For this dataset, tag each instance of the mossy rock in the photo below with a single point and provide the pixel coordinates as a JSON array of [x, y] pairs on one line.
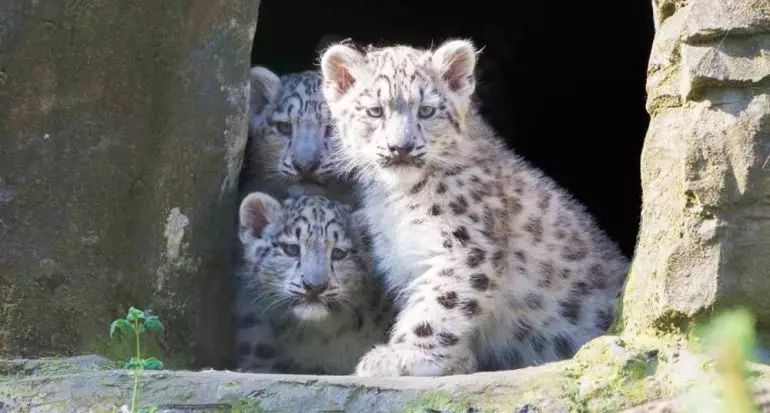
[[609, 374], [704, 169], [122, 127]]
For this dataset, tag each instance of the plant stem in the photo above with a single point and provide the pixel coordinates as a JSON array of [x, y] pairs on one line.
[[136, 369]]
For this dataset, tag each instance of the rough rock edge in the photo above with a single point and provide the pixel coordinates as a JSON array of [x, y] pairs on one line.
[[608, 374], [718, 55], [713, 19]]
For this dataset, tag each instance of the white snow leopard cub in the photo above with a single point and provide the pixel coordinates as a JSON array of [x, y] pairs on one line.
[[494, 265], [290, 127], [307, 302]]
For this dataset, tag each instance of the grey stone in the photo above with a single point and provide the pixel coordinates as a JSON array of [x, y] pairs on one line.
[[680, 70], [729, 62], [608, 374], [714, 19], [705, 228], [47, 366], [122, 127], [663, 74]]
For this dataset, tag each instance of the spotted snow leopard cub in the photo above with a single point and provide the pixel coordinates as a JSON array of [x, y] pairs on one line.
[[290, 128], [310, 304], [494, 265]]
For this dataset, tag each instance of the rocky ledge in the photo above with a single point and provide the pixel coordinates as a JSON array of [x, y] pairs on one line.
[[607, 375]]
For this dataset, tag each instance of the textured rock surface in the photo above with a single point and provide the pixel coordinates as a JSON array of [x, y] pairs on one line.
[[607, 375], [122, 125], [705, 228]]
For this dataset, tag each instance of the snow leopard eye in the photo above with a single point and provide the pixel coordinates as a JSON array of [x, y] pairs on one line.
[[283, 128], [292, 250], [425, 112], [338, 254], [375, 111]]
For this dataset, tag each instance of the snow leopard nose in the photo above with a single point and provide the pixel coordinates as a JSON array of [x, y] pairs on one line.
[[315, 289], [306, 168], [402, 150]]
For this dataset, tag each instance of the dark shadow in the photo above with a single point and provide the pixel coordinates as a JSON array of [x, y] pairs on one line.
[[563, 83]]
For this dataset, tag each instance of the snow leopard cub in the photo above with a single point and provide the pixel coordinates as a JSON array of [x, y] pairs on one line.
[[289, 132], [494, 265], [308, 302]]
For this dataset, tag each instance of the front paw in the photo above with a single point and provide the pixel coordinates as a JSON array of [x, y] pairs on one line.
[[405, 360]]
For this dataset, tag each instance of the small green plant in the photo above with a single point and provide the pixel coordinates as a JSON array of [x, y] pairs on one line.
[[731, 339], [138, 322]]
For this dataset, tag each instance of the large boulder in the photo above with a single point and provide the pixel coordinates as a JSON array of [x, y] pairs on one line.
[[122, 127], [705, 231]]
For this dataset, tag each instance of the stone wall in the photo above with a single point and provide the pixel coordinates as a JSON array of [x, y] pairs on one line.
[[705, 231], [122, 126]]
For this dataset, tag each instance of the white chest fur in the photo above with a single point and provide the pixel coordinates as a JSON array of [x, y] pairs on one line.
[[406, 242], [333, 347]]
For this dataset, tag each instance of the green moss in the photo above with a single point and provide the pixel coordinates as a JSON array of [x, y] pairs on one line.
[[353, 395], [316, 384], [434, 401], [672, 322], [628, 317], [248, 405], [609, 374], [638, 368], [618, 325]]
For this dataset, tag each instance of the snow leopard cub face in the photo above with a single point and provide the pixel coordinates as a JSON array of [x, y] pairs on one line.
[[290, 125], [399, 109], [305, 255]]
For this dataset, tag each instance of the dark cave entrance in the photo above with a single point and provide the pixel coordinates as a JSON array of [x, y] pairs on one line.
[[562, 83]]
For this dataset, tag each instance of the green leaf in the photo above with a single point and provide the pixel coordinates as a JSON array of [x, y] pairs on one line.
[[134, 314], [731, 327], [152, 363], [153, 323], [131, 364], [119, 324]]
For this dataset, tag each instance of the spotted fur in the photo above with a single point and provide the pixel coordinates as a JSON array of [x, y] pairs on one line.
[[494, 265], [308, 302], [290, 128]]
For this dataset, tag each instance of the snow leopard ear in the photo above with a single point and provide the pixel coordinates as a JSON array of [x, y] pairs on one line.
[[256, 211], [340, 64], [455, 61], [264, 86]]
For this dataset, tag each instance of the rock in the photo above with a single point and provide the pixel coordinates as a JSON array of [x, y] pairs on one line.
[[47, 366], [122, 132], [714, 19], [608, 374], [729, 62], [705, 228]]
